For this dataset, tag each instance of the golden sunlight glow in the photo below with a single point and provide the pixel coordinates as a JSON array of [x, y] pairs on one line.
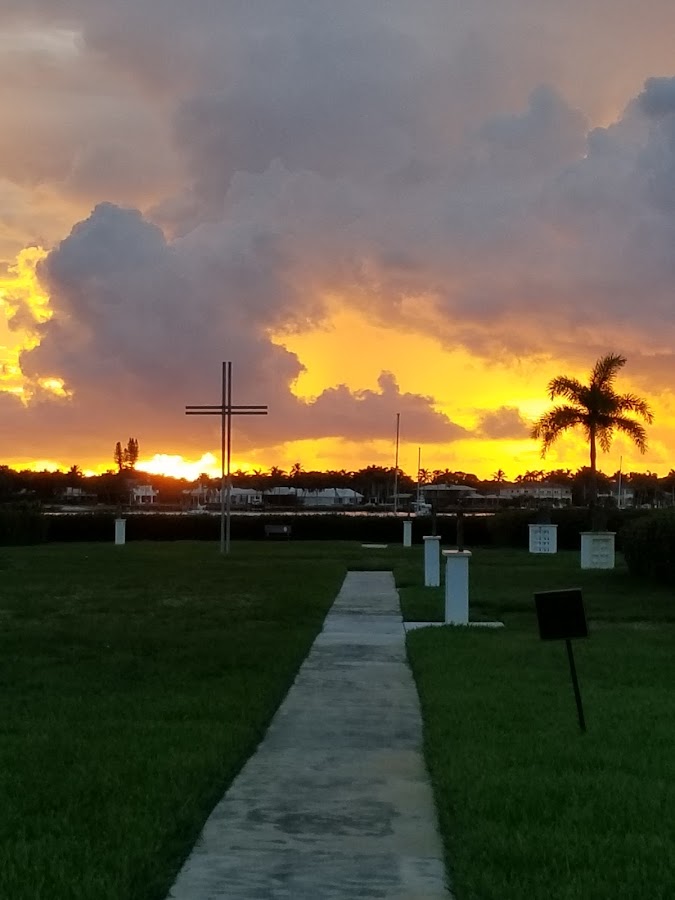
[[179, 467], [40, 465], [54, 386], [21, 285], [20, 292], [353, 351]]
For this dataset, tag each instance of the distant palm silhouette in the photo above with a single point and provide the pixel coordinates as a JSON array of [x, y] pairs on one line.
[[597, 408]]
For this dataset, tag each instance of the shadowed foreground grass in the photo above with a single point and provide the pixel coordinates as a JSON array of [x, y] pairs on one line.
[[134, 683], [529, 807]]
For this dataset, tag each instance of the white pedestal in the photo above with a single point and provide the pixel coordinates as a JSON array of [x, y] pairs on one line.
[[432, 560], [457, 586], [407, 533], [543, 538], [597, 549], [120, 531]]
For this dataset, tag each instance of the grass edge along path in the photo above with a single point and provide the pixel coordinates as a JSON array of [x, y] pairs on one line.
[[529, 807], [135, 682]]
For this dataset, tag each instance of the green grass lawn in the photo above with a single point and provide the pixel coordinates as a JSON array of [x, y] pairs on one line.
[[529, 807], [134, 683]]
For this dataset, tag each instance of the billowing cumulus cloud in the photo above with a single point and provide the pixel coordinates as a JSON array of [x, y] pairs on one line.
[[366, 415], [503, 423], [134, 316], [499, 179]]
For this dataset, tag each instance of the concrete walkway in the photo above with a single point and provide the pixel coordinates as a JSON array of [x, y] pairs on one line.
[[335, 803]]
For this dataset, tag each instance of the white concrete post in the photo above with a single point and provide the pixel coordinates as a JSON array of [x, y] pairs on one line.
[[432, 560], [120, 531], [543, 538], [457, 586], [407, 533], [597, 549]]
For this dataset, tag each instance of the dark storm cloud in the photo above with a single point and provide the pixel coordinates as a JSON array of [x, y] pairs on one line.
[[658, 98], [549, 134]]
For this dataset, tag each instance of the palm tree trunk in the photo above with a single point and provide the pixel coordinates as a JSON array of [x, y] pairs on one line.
[[598, 522], [594, 481]]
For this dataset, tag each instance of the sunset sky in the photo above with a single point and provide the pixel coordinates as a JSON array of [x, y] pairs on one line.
[[427, 208]]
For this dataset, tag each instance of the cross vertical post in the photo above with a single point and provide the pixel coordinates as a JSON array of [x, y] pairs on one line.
[[224, 423], [398, 431], [226, 410], [228, 504]]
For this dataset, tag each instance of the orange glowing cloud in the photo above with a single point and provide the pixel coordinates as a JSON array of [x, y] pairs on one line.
[[24, 305], [352, 350]]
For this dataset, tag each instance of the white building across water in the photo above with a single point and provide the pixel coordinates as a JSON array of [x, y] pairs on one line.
[[557, 494], [248, 498]]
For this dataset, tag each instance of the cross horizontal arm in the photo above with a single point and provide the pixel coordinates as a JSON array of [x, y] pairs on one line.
[[221, 407], [228, 412]]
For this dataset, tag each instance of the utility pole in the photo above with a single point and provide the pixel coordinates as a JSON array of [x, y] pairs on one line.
[[419, 482], [618, 501], [398, 431]]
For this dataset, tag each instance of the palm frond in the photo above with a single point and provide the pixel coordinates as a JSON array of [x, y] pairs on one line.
[[634, 430], [605, 370], [633, 403], [553, 423], [604, 434], [570, 388]]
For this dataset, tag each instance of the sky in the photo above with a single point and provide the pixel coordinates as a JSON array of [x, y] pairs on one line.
[[373, 209]]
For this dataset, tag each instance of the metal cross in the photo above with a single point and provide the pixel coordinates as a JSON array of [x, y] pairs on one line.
[[226, 410]]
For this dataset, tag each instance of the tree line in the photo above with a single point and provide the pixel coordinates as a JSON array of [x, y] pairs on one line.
[[376, 483]]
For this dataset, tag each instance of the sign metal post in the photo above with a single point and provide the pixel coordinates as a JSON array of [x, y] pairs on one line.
[[561, 616]]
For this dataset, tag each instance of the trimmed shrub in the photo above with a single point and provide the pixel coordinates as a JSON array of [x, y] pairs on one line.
[[507, 528], [100, 527], [649, 546], [333, 527], [510, 528], [21, 523]]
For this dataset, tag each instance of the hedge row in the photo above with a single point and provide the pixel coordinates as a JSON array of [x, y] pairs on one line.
[[649, 546], [508, 528], [22, 524]]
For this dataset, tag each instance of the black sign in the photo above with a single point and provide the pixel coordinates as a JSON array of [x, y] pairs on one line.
[[561, 615]]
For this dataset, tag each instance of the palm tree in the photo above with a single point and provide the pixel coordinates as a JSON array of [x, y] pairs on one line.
[[562, 476], [276, 476], [597, 408], [74, 476], [499, 477]]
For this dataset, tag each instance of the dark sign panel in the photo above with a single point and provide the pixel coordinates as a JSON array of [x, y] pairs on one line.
[[561, 615]]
